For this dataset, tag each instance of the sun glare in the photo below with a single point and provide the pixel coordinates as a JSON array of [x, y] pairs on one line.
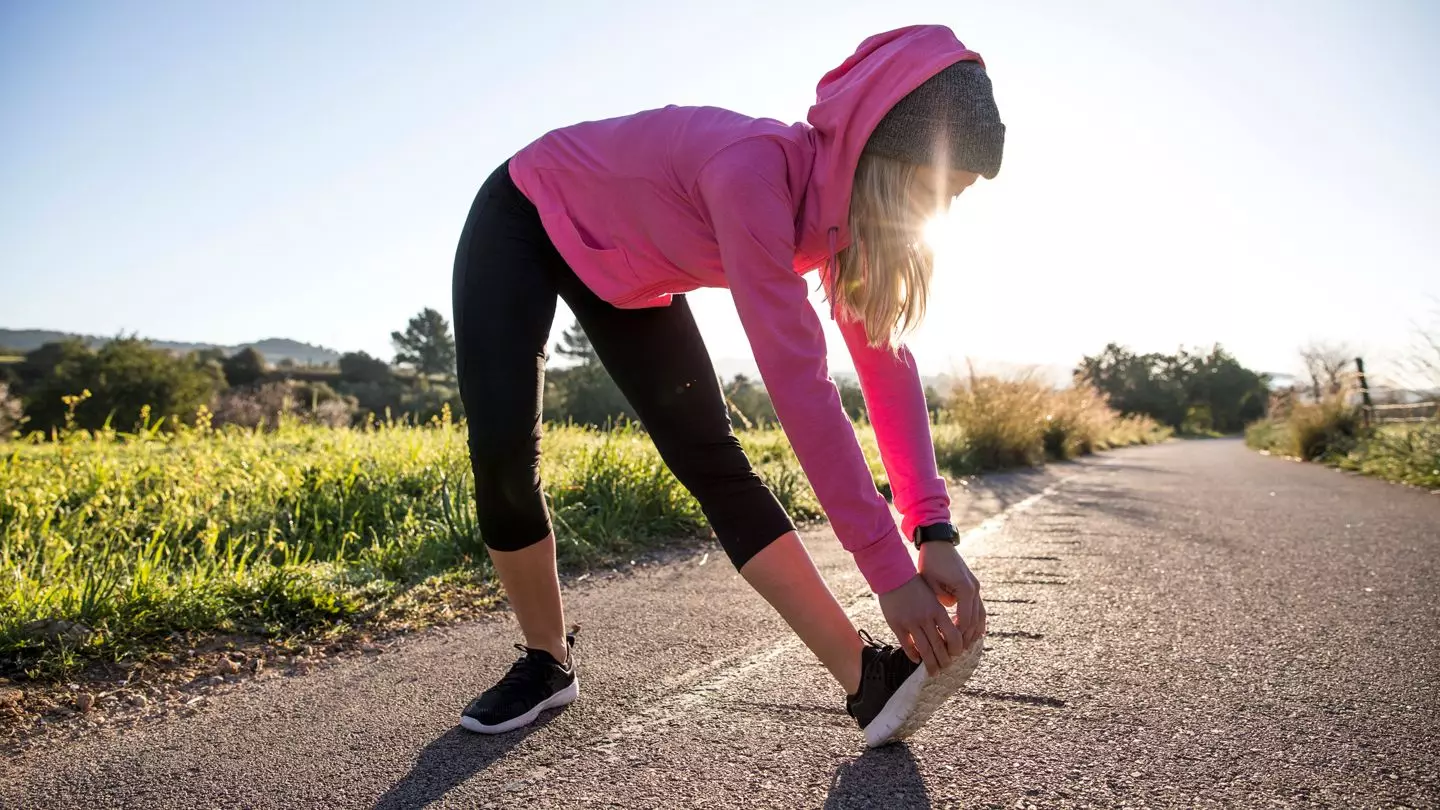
[[940, 233]]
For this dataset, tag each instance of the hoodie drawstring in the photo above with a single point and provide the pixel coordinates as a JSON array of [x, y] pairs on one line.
[[831, 269]]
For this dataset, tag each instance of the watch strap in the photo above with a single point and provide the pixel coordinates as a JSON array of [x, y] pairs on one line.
[[935, 532]]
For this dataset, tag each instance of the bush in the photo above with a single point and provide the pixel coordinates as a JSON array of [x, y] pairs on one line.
[[1316, 431], [11, 414], [244, 367], [271, 404], [131, 384], [359, 367], [1311, 431], [1333, 433], [1408, 453]]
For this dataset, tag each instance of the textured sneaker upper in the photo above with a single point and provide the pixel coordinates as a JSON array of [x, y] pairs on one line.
[[883, 668], [531, 680]]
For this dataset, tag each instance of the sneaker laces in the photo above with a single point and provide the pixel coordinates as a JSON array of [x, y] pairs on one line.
[[869, 641], [528, 667], [884, 654]]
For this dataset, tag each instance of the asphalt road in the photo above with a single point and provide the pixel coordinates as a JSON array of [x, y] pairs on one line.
[[1189, 625]]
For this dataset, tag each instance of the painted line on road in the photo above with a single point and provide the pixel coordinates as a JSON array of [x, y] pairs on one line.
[[995, 523]]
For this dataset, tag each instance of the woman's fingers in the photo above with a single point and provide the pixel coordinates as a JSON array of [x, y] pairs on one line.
[[973, 619], [938, 646], [921, 640], [954, 639]]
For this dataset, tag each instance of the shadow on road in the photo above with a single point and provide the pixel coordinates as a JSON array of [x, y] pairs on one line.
[[881, 777], [450, 760]]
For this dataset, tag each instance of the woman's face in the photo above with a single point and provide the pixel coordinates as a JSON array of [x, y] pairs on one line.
[[932, 189]]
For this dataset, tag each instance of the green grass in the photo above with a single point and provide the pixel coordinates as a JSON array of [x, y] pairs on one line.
[[144, 540], [1408, 453]]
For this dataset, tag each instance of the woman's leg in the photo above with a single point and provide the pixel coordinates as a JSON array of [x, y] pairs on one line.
[[504, 303], [532, 587], [784, 574], [660, 363]]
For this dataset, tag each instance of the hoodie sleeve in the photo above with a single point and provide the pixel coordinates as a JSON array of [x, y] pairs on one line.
[[743, 192], [895, 401]]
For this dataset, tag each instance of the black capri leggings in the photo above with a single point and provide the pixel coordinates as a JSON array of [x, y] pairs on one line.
[[507, 278]]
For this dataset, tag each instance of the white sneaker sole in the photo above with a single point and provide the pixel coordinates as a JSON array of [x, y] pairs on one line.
[[561, 698], [919, 697]]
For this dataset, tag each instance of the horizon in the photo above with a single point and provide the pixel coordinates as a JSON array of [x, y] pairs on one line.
[[1189, 177]]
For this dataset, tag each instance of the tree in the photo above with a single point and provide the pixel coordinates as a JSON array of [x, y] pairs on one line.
[[1327, 364], [1196, 391], [575, 345], [1424, 360], [361, 367], [585, 394], [244, 367], [749, 403], [852, 399], [45, 361], [1221, 394], [426, 345], [1137, 383]]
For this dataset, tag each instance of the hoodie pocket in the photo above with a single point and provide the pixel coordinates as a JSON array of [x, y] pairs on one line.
[[606, 271]]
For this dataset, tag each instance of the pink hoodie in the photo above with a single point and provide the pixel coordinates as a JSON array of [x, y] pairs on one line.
[[666, 201]]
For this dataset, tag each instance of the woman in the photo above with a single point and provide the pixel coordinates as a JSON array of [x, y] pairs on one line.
[[622, 217]]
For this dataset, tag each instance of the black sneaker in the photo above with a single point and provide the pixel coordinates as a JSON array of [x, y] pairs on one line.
[[896, 696], [535, 682]]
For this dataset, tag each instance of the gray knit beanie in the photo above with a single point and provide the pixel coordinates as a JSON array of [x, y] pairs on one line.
[[955, 106]]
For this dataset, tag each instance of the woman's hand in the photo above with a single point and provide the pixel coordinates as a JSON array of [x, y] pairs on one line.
[[921, 623], [950, 579]]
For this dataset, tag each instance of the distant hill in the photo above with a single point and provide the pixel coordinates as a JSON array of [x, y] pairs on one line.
[[21, 341]]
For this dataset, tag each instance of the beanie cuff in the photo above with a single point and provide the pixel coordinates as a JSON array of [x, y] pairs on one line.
[[977, 149]]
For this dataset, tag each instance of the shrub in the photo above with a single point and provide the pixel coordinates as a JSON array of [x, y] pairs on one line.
[[1408, 453], [1317, 430], [360, 367], [1311, 431], [11, 414], [1003, 420], [130, 383], [244, 367], [271, 404]]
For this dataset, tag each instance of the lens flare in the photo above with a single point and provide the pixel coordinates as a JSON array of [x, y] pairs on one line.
[[939, 232]]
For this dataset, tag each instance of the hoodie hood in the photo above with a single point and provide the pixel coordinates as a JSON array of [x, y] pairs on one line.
[[850, 100]]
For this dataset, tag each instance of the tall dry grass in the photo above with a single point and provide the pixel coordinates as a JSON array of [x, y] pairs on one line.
[[1019, 422]]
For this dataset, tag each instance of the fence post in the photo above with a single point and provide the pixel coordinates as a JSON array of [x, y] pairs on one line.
[[1364, 389]]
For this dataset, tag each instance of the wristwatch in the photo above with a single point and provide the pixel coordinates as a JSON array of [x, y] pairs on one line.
[[937, 531]]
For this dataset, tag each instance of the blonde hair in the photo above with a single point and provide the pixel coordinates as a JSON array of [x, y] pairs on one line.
[[882, 278]]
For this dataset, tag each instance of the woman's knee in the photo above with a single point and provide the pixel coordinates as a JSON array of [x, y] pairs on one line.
[[509, 501]]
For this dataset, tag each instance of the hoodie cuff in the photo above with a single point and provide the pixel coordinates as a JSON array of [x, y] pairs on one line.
[[886, 564]]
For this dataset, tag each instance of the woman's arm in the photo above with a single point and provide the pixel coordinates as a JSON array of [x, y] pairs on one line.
[[895, 400], [743, 193]]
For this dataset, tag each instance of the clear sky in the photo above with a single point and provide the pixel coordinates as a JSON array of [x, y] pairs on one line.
[[1258, 174]]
